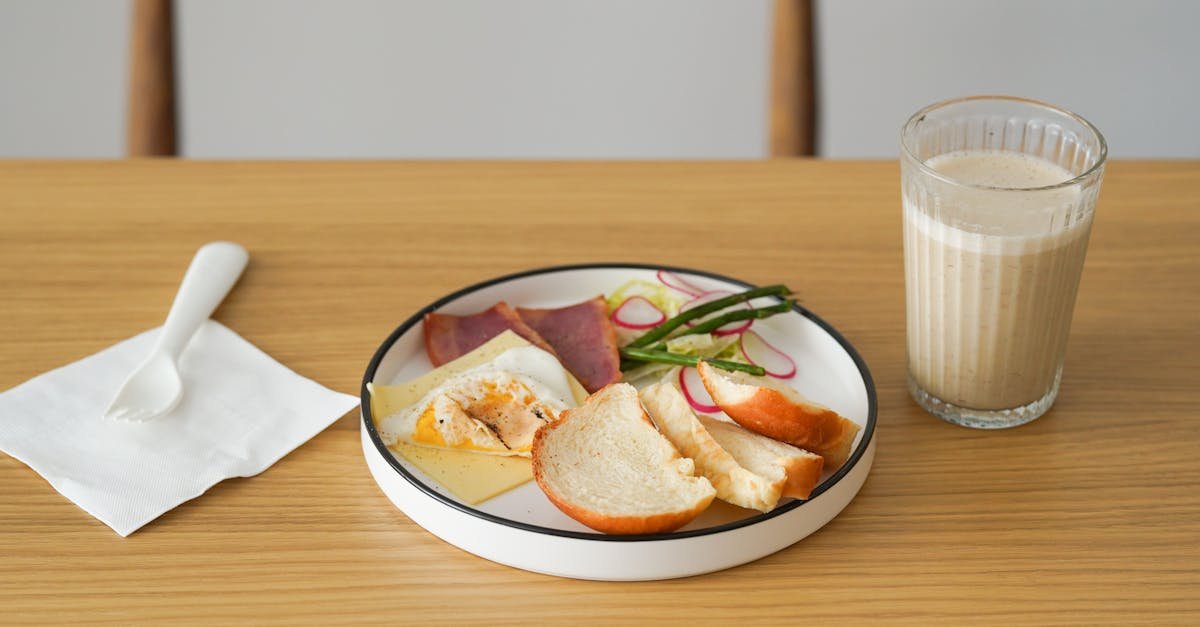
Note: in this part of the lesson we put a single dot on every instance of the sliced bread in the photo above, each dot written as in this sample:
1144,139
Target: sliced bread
605,465
747,469
780,412
798,470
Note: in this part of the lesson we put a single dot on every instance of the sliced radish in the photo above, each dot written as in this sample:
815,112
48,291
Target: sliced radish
733,328
676,282
759,352
694,392
638,313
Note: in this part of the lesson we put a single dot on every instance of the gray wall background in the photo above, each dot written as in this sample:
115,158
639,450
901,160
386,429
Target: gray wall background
63,77
583,79
1130,67
474,78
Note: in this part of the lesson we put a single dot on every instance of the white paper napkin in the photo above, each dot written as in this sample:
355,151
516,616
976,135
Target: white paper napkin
241,411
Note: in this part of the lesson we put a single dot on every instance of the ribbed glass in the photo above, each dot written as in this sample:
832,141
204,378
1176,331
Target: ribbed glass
998,196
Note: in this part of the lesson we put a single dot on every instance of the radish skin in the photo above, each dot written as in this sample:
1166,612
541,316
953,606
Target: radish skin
678,283
637,308
694,392
759,352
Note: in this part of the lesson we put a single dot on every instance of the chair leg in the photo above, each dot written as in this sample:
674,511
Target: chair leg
792,114
150,109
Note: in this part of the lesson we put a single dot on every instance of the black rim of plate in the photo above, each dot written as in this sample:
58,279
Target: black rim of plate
369,422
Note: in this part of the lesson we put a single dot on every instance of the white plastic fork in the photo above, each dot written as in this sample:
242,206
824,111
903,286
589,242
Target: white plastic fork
155,388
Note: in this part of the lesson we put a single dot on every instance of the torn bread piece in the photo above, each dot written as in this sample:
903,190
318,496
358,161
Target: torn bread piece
605,465
780,412
747,469
798,469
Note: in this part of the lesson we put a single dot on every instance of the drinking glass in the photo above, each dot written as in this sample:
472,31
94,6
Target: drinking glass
998,195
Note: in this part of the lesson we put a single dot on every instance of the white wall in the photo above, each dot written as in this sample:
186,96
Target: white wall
1131,67
474,78
63,76
580,78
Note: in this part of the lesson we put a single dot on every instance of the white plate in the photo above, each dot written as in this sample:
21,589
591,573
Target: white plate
521,528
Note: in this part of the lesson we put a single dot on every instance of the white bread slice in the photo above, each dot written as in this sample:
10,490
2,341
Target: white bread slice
604,464
747,469
798,469
734,484
778,411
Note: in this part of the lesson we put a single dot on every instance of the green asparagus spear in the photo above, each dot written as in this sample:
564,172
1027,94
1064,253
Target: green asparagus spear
663,330
708,326
644,354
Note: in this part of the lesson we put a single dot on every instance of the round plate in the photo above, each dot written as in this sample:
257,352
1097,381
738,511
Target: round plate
521,528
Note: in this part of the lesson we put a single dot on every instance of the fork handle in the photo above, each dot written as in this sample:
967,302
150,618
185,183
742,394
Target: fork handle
214,270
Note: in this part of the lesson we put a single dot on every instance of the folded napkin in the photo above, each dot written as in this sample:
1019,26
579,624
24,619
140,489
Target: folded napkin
240,412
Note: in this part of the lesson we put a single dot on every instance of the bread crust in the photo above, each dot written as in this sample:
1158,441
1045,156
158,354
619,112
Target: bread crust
769,412
803,474
734,483
607,523
623,525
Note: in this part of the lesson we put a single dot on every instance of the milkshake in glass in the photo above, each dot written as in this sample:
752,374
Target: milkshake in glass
998,196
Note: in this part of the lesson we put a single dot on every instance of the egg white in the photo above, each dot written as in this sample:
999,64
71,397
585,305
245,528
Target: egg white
522,372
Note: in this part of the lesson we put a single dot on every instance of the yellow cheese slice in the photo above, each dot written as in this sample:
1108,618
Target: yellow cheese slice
472,477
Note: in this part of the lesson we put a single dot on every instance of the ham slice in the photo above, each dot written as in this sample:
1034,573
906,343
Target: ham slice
448,337
584,339
580,336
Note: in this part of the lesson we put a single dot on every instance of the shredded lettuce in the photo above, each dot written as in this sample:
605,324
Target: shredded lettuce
691,344
660,295
704,345
731,351
646,373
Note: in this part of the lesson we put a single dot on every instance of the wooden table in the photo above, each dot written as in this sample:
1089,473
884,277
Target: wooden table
1089,515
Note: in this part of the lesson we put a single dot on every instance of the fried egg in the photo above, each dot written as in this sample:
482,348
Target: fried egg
494,408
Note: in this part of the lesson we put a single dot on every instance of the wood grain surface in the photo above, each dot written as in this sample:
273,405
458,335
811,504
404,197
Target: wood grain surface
1090,515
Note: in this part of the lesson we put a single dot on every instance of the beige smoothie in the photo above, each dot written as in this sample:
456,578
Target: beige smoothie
990,293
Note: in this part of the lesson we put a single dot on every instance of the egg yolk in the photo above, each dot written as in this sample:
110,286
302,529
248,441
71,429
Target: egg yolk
494,402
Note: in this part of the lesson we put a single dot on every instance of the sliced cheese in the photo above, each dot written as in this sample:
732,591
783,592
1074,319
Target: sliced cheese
472,477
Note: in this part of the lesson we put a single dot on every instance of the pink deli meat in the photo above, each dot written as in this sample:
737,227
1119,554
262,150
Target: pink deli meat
448,337
584,339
